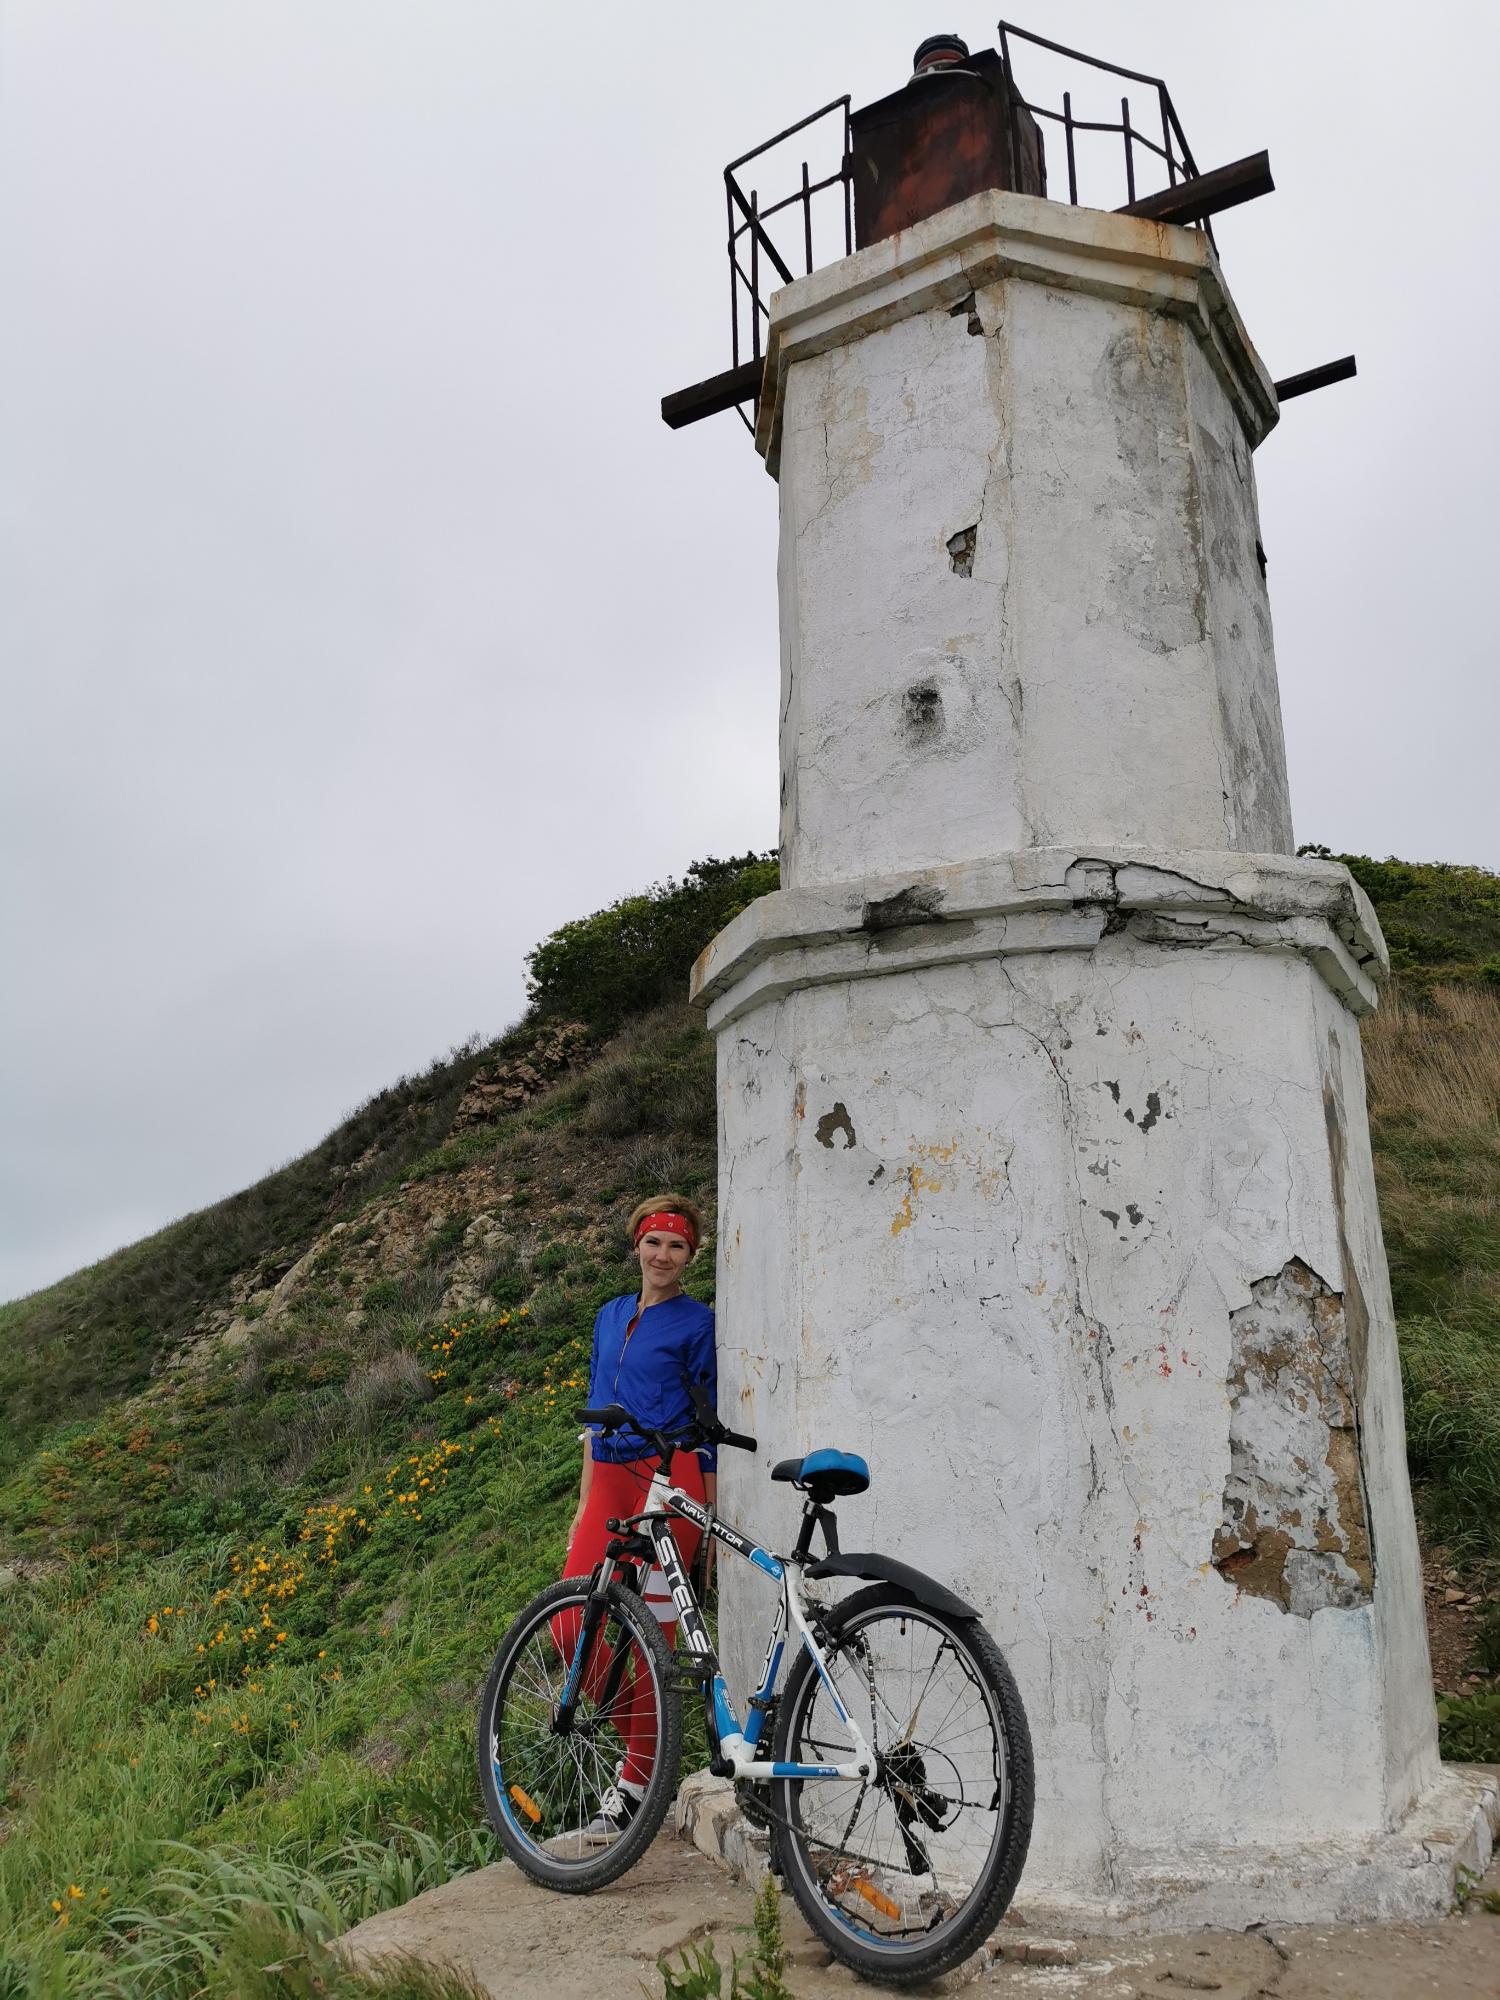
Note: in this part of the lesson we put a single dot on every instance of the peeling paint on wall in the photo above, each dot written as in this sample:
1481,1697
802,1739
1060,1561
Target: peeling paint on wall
922,903
837,1120
1295,1527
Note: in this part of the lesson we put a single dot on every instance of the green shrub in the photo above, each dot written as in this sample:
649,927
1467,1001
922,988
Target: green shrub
698,1975
1441,921
1469,1729
638,953
1451,1376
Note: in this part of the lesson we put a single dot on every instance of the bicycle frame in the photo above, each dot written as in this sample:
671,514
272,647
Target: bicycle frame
737,1746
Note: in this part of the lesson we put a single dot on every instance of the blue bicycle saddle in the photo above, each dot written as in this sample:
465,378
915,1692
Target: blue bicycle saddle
825,1473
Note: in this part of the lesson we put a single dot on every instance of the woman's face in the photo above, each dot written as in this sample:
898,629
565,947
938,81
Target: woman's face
663,1255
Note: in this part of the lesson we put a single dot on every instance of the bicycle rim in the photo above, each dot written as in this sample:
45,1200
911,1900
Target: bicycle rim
902,1869
548,1787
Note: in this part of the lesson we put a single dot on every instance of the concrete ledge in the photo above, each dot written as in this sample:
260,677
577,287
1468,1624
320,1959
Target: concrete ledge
1046,899
998,235
1413,1874
709,1817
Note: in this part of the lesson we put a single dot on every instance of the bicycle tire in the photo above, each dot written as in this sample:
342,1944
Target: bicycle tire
928,1931
518,1765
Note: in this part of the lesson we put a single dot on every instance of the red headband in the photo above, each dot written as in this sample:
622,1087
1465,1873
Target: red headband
668,1219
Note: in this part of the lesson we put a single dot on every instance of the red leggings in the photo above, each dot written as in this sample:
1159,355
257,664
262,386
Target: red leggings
615,1491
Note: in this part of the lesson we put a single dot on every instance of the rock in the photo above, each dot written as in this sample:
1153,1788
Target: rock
1038,1951
1455,1596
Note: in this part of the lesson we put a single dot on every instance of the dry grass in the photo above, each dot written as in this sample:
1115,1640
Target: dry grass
1439,1064
1434,1082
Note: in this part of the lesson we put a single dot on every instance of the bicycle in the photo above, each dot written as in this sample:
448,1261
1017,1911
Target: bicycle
899,1789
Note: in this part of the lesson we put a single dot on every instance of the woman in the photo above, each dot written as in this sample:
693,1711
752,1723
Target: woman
651,1350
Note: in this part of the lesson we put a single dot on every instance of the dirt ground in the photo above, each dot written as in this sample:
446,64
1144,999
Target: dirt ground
1456,1605
518,1940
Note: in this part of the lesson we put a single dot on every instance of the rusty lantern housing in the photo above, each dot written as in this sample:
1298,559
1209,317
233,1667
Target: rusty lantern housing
955,128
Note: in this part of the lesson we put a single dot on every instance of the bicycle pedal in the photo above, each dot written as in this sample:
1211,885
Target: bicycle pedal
694,1668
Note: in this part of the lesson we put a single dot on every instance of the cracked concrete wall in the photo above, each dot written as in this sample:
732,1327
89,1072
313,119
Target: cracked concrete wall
998,1225
1035,518
1044,1177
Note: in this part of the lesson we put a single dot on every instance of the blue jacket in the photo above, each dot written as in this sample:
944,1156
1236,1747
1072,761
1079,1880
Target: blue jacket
650,1373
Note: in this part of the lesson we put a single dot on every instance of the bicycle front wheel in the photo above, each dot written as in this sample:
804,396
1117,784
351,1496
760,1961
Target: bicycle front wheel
548,1786
904,1875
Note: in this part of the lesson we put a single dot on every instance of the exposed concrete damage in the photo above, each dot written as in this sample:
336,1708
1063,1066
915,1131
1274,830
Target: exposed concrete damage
1295,1526
961,550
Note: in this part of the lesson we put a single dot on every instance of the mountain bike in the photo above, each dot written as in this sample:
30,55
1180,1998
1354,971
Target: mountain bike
898,1790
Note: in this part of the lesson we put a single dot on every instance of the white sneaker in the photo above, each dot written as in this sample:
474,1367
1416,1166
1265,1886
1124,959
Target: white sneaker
617,1809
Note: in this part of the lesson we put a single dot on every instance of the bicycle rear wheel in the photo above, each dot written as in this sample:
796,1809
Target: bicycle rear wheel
541,1788
906,1874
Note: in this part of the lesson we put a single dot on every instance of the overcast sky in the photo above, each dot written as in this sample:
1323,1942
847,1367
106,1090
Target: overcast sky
361,622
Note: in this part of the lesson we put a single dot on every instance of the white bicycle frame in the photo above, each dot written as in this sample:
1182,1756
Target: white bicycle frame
738,1747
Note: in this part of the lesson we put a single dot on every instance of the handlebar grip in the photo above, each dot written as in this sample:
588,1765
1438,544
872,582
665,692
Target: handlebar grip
738,1439
610,1418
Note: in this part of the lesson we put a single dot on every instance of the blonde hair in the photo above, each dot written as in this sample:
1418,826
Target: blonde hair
659,1202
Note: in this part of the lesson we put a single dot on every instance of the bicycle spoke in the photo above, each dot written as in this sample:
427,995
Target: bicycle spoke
900,1857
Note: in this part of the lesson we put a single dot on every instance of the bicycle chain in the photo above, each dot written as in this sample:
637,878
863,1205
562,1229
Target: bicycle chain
758,1811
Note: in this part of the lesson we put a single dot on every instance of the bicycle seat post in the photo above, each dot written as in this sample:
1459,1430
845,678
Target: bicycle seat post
815,1516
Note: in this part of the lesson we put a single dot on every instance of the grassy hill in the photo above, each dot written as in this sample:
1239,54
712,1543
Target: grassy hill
272,1481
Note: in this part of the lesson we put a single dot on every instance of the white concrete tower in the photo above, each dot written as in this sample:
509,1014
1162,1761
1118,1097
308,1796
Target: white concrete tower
1044,1173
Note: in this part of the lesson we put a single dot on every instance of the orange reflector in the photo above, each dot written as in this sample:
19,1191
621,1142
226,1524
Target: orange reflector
528,1806
881,1901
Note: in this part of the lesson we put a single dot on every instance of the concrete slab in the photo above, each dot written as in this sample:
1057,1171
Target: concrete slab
517,1940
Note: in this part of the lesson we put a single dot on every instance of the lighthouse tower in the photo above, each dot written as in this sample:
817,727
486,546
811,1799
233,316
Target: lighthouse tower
1044,1171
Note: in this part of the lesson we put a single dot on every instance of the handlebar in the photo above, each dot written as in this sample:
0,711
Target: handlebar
707,1430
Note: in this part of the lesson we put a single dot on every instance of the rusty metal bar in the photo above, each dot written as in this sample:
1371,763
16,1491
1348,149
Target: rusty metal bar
1207,194
752,218
1166,135
734,290
707,399
1094,62
811,118
1068,135
755,236
792,199
1093,125
1129,154
1011,95
807,216
1316,378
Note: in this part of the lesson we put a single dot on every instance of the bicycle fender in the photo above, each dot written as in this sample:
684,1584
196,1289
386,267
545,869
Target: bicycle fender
885,1569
